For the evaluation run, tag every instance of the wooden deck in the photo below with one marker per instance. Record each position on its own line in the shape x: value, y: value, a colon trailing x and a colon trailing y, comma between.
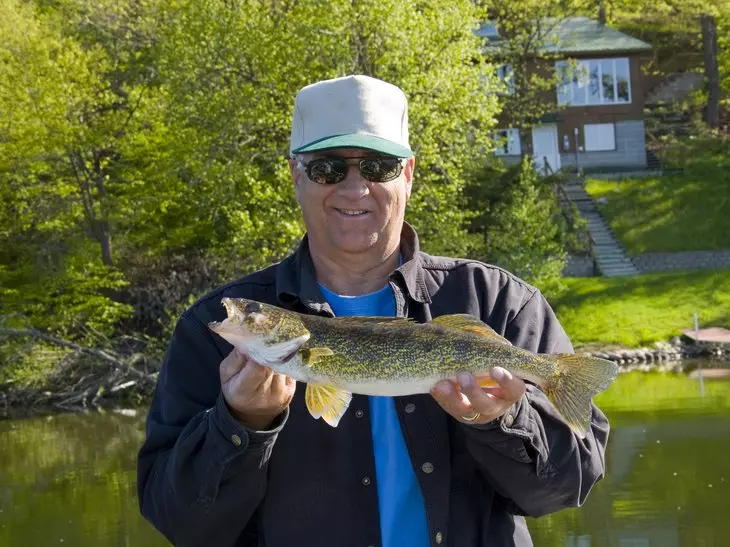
x: 713, y: 335
x: 713, y: 373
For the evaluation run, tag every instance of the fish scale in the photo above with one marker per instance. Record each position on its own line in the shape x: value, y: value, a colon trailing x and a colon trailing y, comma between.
x: 382, y: 352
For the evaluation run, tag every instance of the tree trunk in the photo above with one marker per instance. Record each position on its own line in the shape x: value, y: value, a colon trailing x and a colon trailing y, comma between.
x: 601, y: 13
x: 712, y: 73
x: 105, y: 240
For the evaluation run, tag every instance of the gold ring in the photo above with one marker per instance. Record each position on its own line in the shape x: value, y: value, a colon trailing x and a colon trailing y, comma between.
x: 476, y: 416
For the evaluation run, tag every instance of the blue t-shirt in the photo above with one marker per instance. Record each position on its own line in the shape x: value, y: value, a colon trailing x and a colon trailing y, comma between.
x: 402, y: 510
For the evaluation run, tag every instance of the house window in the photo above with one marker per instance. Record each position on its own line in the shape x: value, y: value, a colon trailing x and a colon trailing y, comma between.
x: 507, y: 78
x: 599, y: 137
x: 594, y: 82
x: 507, y: 142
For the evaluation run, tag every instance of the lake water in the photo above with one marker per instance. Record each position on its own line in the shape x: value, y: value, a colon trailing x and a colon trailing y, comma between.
x: 70, y: 479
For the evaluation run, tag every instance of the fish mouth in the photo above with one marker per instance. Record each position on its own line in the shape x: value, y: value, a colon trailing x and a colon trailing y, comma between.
x: 231, y: 310
x: 233, y: 323
x: 234, y: 333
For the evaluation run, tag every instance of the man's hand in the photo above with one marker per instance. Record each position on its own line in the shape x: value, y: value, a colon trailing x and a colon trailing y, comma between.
x: 471, y: 404
x: 256, y: 395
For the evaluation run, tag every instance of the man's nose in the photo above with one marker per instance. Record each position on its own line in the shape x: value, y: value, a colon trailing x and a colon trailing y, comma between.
x: 354, y: 184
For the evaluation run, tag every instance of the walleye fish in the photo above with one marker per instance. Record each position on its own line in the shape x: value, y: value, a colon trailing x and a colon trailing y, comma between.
x: 394, y: 356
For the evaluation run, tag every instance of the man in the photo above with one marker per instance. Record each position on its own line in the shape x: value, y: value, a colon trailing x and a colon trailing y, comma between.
x: 232, y: 456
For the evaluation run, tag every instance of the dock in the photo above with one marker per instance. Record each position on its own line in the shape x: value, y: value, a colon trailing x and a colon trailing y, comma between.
x: 712, y: 335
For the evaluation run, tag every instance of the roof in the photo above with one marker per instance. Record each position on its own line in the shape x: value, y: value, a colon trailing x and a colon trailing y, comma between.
x: 573, y: 35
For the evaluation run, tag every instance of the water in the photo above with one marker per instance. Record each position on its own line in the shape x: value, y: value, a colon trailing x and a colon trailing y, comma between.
x: 70, y: 479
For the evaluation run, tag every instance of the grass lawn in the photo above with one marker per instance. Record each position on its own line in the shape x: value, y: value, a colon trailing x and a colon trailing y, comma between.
x: 683, y: 212
x: 636, y: 311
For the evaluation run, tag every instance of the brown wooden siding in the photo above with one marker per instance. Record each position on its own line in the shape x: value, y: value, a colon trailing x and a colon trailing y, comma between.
x: 575, y: 117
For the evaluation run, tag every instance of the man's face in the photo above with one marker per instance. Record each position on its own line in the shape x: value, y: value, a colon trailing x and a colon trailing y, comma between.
x: 355, y: 215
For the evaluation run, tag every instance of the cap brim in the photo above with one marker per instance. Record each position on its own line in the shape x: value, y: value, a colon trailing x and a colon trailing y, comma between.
x: 366, y: 142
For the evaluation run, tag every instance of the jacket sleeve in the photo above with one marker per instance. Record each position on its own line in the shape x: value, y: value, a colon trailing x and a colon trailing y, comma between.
x: 201, y: 474
x: 530, y: 456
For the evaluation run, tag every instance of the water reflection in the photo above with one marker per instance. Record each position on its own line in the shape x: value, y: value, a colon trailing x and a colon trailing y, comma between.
x: 70, y: 479
x: 669, y: 474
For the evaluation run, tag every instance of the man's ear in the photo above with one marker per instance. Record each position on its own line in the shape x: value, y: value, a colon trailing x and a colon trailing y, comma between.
x: 295, y: 174
x: 408, y: 170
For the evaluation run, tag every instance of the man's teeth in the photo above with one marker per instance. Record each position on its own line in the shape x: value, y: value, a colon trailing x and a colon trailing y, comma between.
x: 353, y: 211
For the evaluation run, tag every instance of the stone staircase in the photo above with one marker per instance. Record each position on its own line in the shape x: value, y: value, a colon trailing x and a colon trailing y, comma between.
x: 610, y: 257
x: 675, y: 88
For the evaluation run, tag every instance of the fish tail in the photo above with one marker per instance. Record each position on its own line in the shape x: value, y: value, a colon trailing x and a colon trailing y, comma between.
x: 576, y: 380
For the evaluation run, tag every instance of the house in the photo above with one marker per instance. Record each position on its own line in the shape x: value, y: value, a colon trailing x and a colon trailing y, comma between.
x: 598, y: 121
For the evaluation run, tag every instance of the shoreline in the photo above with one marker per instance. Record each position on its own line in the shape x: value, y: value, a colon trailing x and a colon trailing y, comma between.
x: 675, y: 356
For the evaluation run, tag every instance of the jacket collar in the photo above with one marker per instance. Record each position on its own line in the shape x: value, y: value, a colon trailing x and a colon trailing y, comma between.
x: 296, y: 279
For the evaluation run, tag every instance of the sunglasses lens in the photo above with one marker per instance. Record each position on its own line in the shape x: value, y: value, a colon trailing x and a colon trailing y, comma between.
x: 380, y: 169
x: 334, y: 170
x: 327, y: 170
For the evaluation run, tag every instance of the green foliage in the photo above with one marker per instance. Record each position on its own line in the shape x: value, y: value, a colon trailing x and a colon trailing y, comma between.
x: 233, y: 97
x: 143, y: 143
x: 673, y: 29
x: 525, y: 229
x: 641, y: 310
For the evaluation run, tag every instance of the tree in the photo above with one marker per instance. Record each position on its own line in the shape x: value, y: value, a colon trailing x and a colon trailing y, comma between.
x: 699, y: 19
x: 54, y: 171
x: 146, y: 140
x: 523, y: 225
x: 712, y: 73
x: 526, y: 46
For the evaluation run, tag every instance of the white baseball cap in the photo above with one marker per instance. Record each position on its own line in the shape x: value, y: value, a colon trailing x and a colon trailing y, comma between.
x: 351, y: 112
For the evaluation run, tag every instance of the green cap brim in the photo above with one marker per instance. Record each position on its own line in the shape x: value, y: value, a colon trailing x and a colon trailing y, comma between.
x: 366, y: 142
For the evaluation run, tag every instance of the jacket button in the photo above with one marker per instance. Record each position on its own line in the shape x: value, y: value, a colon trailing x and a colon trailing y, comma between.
x: 509, y: 420
x: 359, y: 413
x: 427, y: 467
x: 410, y: 408
x: 236, y: 440
x: 366, y: 481
x: 439, y: 538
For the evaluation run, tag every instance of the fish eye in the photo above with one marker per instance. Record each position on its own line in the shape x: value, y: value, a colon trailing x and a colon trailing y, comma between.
x: 252, y: 307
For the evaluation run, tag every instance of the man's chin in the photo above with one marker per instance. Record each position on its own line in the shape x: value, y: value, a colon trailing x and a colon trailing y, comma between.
x: 356, y: 244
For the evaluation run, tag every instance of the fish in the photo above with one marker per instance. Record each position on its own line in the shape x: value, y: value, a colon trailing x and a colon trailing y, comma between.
x: 397, y: 356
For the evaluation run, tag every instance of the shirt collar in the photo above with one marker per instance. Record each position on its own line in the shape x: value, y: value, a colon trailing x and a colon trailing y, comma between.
x: 296, y: 280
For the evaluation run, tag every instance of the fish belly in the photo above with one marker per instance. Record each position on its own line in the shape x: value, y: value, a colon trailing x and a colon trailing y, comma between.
x: 390, y: 388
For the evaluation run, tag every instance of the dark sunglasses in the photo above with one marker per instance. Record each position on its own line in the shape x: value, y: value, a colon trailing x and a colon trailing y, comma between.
x: 333, y: 170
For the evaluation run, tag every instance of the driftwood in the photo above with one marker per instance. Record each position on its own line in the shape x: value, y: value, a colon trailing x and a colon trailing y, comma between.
x: 79, y: 382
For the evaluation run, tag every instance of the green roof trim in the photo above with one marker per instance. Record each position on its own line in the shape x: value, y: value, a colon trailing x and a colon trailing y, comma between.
x: 573, y: 35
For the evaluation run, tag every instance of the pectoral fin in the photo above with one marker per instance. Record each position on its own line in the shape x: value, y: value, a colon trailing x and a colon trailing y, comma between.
x: 312, y: 355
x: 327, y: 402
x: 463, y: 321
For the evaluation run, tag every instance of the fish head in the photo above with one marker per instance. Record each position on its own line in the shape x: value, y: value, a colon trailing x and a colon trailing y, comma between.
x: 264, y: 332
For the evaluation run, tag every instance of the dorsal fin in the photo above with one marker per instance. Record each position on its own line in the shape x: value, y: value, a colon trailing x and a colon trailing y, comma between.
x: 469, y: 323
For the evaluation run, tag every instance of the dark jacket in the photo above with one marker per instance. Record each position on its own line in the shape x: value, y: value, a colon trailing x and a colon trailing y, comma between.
x: 204, y: 479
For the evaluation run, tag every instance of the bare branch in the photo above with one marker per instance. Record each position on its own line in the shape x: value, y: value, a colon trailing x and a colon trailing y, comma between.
x: 89, y: 351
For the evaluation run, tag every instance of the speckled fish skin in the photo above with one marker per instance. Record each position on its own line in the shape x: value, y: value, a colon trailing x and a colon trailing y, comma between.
x: 395, y: 356
x: 402, y: 353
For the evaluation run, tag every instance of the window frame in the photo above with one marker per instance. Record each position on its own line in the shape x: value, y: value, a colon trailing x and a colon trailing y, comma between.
x: 580, y: 78
x: 586, y: 133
